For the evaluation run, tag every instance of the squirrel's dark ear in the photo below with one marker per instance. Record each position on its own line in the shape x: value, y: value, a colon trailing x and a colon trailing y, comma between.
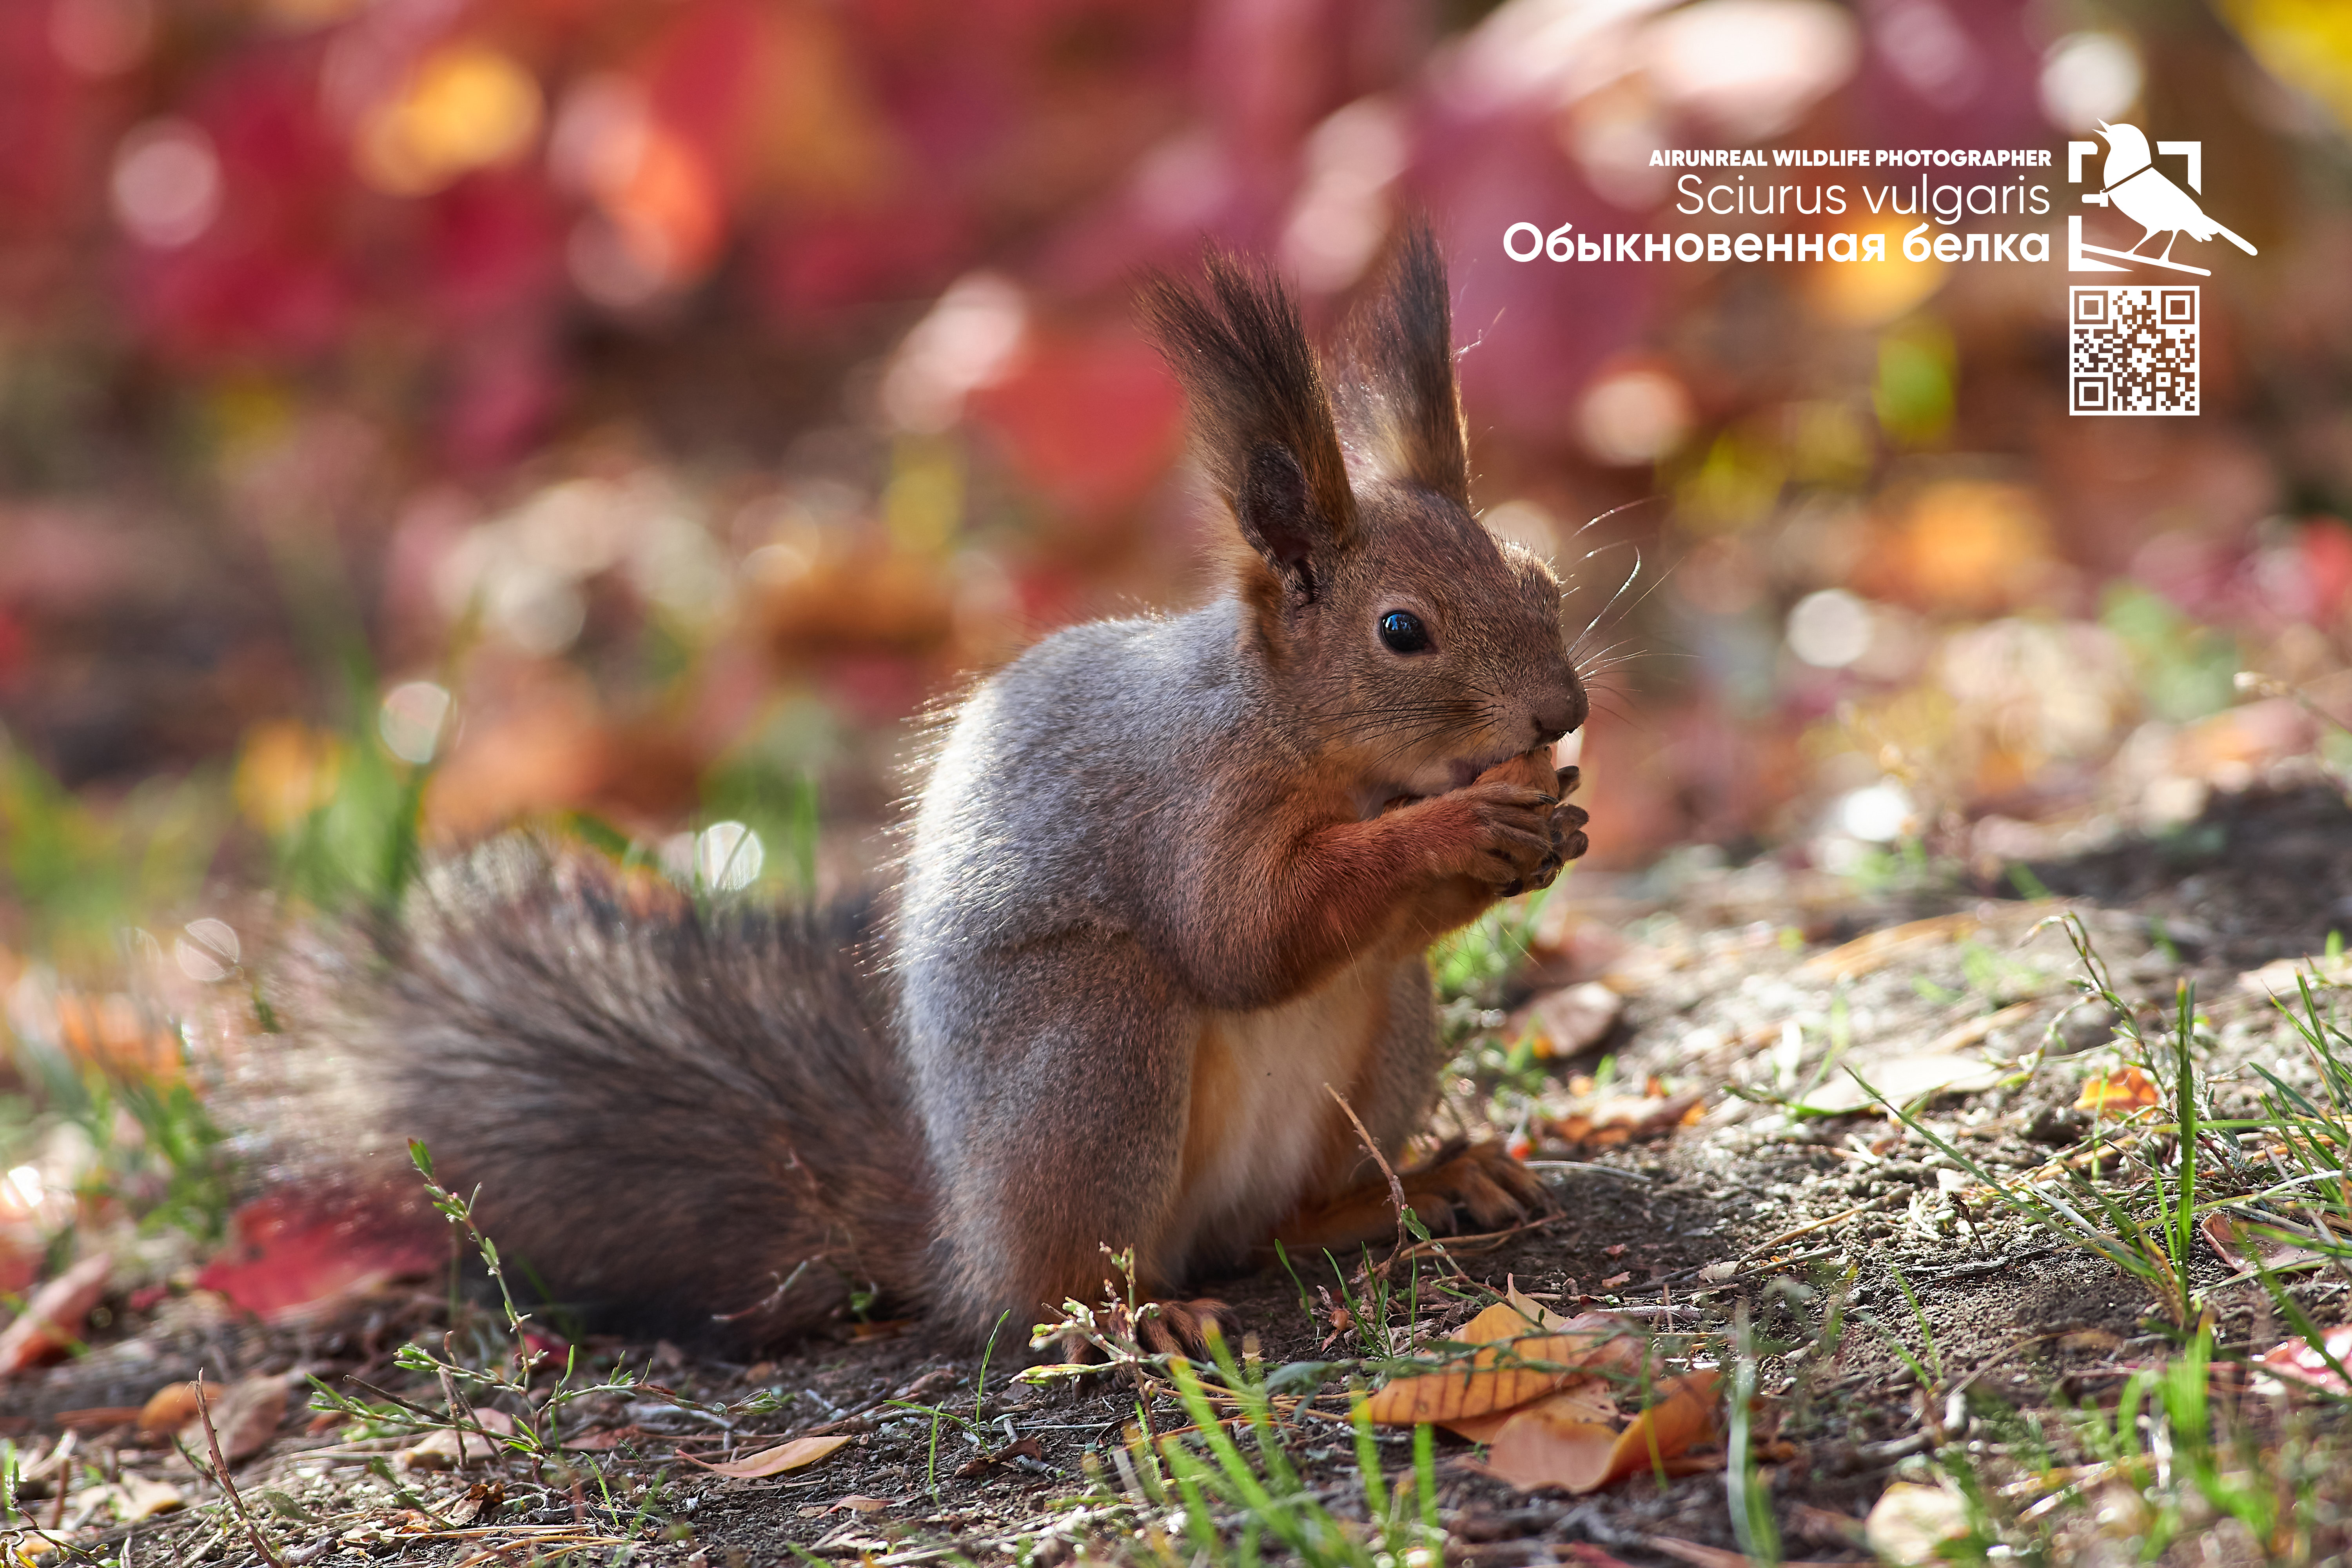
x: 1398, y: 403
x: 1262, y: 418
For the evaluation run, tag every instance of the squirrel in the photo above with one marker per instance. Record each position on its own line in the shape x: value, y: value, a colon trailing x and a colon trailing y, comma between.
x: 1150, y: 973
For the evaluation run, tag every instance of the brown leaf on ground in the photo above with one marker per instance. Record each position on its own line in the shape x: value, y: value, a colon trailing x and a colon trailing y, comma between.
x: 169, y: 1409
x: 858, y: 1503
x: 1605, y: 1120
x: 1485, y: 1385
x: 797, y: 1455
x: 1516, y: 1314
x: 2279, y: 976
x: 2112, y: 1094
x: 246, y: 1414
x: 604, y: 1439
x: 2238, y: 1247
x: 1548, y: 1446
x: 1668, y: 1429
x: 450, y: 1448
x: 1581, y: 1398
x: 1569, y: 1021
x: 1572, y: 1441
x: 481, y: 1501
x: 136, y: 1498
x: 52, y: 1320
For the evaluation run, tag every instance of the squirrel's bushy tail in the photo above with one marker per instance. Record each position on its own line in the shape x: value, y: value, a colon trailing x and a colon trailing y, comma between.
x: 680, y: 1121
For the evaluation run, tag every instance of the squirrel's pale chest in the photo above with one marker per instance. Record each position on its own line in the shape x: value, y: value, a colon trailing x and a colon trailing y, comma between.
x: 1261, y: 1127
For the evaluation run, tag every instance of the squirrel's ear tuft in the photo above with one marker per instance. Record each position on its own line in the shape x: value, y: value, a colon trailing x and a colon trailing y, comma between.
x: 1397, y: 401
x: 1261, y: 416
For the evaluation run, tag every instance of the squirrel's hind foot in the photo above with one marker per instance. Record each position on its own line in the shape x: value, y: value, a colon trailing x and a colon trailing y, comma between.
x: 1160, y: 1326
x: 1182, y: 1328
x: 1463, y: 1188
x: 1478, y: 1183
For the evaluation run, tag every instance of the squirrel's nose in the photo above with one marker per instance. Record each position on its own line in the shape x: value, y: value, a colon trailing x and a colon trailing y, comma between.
x: 1555, y: 717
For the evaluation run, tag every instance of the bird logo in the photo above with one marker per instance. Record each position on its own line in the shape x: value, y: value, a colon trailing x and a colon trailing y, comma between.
x: 2134, y: 186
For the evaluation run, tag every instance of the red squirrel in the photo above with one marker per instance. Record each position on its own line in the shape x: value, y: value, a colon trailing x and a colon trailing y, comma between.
x: 1167, y: 878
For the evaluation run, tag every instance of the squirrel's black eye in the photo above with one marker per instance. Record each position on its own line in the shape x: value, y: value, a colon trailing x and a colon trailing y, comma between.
x: 1403, y: 633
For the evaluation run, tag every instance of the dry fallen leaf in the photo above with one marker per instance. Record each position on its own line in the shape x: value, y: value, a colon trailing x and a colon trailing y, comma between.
x: 1569, y: 1442
x: 1668, y: 1429
x: 858, y: 1503
x: 1909, y: 1523
x: 1569, y: 1022
x: 450, y: 1448
x: 1594, y: 1341
x: 797, y: 1455
x: 481, y: 1499
x: 2299, y: 1360
x: 1553, y: 1445
x: 246, y: 1414
x: 603, y: 1440
x: 1604, y: 1121
x: 171, y: 1408
x: 1516, y: 1315
x: 2111, y: 1094
x: 2279, y: 976
x: 2238, y: 1247
x: 1585, y: 1397
x: 1902, y: 1076
x: 137, y: 1498
x: 52, y: 1320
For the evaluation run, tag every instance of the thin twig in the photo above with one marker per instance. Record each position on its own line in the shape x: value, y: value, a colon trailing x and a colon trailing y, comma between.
x: 461, y: 1414
x: 572, y: 1538
x: 220, y: 1474
x: 1396, y: 1188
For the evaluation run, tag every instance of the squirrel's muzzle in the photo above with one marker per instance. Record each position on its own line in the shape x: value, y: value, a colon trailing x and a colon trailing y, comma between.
x: 1556, y: 716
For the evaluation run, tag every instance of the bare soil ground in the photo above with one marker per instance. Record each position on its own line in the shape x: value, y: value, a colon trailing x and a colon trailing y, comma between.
x: 1963, y: 1330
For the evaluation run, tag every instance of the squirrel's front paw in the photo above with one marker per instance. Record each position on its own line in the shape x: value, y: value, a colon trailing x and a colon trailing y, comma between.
x: 1568, y: 823
x: 1506, y: 821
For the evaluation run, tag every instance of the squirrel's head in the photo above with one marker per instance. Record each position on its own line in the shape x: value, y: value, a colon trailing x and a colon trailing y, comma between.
x: 1415, y: 643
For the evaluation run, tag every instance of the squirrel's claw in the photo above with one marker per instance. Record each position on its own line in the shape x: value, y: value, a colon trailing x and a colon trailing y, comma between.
x: 1567, y: 839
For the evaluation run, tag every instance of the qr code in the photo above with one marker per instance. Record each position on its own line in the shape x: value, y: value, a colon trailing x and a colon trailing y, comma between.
x: 2132, y: 350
